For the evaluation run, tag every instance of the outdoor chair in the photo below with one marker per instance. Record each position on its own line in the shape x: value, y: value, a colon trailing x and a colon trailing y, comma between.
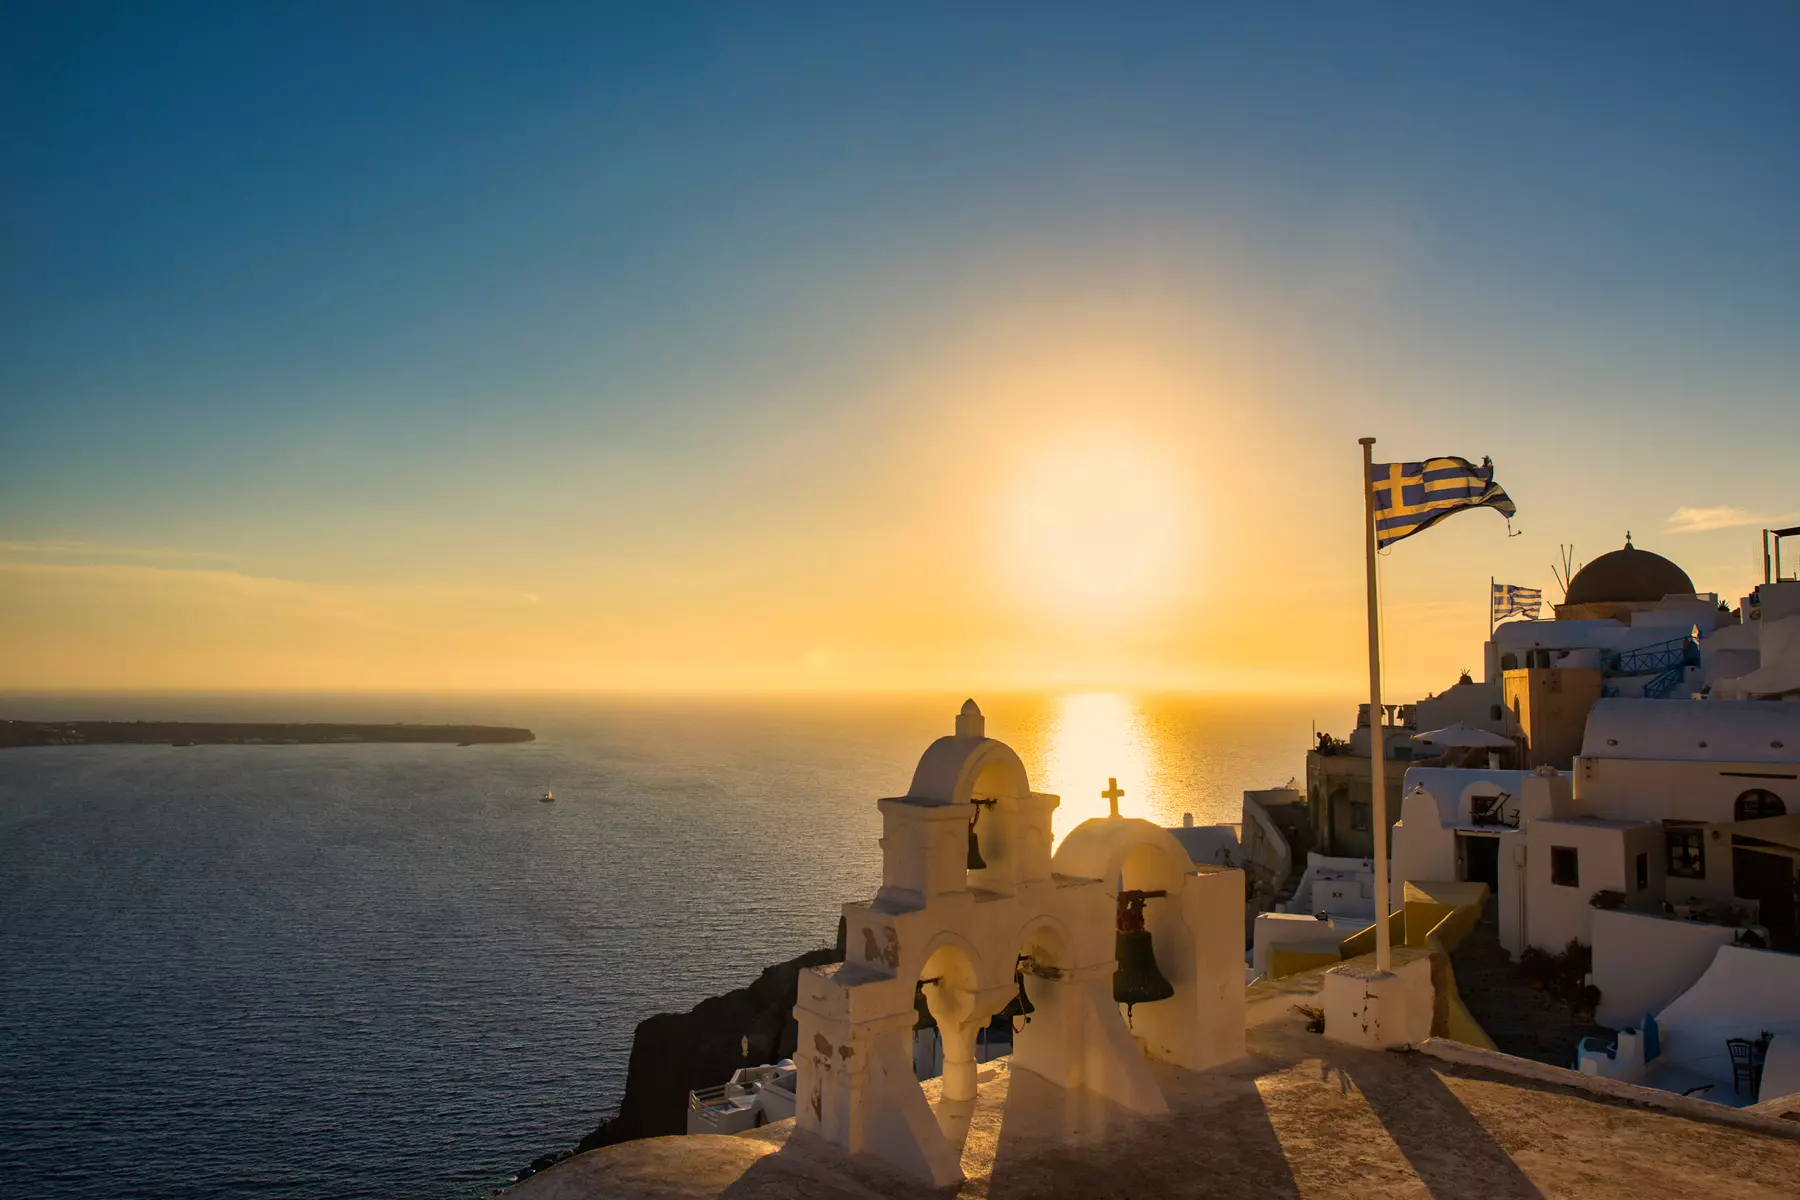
x: 1742, y: 1064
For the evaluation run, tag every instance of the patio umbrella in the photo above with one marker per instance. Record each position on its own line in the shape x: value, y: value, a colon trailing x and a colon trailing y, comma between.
x: 1461, y: 735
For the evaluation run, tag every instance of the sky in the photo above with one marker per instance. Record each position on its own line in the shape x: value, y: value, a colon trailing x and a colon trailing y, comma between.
x: 858, y: 347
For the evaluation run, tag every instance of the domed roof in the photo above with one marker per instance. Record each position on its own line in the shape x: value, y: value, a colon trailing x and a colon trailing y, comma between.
x: 1627, y: 575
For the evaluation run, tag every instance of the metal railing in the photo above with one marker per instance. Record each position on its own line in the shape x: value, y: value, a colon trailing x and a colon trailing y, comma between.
x: 1659, y: 657
x: 701, y: 1098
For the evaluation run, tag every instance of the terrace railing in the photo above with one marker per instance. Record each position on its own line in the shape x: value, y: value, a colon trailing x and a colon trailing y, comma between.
x: 1659, y: 658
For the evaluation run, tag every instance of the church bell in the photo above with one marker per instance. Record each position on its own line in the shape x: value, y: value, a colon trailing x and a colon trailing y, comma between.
x: 922, y: 1008
x: 1020, y: 1005
x: 976, y: 862
x: 1138, y: 979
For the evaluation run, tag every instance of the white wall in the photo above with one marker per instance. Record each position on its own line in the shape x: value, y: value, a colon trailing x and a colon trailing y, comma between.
x: 1780, y: 599
x: 1642, y: 962
x: 1647, y: 789
x: 1700, y: 731
x: 1210, y: 845
x: 1346, y: 883
x: 1680, y: 615
x: 1511, y: 896
x: 1555, y: 913
x: 1470, y: 703
x: 1422, y: 848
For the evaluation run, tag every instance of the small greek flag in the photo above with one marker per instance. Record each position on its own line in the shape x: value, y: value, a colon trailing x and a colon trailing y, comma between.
x: 1410, y: 497
x: 1511, y: 600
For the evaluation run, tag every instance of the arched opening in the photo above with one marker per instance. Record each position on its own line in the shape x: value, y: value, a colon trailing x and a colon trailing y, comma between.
x: 1509, y: 662
x: 1001, y: 849
x: 1756, y: 804
x: 944, y: 999
x: 1041, y: 1020
x: 992, y: 849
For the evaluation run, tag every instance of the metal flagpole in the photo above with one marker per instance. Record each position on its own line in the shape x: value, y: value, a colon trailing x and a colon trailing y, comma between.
x: 1384, y: 954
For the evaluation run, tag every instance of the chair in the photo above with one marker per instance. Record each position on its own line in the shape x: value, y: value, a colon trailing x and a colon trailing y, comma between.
x: 1742, y: 1065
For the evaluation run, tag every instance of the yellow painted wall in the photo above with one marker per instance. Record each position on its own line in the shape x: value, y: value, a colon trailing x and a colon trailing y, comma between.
x: 1552, y: 705
x: 1292, y: 962
x: 1428, y: 905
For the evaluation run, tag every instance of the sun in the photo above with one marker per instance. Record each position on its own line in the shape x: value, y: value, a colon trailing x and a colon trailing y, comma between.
x: 1097, y: 528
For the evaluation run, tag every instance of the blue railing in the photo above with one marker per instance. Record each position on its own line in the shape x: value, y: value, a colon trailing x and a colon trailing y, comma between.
x: 1660, y: 657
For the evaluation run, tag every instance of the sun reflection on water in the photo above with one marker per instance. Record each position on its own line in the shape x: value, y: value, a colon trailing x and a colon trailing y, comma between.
x: 1095, y: 736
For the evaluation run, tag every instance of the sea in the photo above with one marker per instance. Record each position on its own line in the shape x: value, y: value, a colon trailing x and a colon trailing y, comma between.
x: 392, y: 971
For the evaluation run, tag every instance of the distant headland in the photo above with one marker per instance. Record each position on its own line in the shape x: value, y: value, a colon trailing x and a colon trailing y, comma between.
x: 214, y: 733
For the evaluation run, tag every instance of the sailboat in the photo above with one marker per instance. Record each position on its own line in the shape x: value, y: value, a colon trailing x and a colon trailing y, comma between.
x: 547, y: 798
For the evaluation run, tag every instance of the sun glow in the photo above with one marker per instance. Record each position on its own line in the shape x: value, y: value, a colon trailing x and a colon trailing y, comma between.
x: 1096, y: 736
x: 1097, y: 529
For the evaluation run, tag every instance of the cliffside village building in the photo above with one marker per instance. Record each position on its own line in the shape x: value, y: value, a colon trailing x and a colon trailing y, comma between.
x: 1631, y: 626
x: 1639, y: 796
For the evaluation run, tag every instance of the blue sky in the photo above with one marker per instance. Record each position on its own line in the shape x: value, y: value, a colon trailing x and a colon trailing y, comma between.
x: 546, y: 297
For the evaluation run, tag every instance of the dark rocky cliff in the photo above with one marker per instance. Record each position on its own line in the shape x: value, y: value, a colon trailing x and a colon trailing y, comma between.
x: 674, y: 1053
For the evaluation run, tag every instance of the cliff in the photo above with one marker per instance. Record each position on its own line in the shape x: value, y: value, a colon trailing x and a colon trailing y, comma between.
x: 674, y: 1053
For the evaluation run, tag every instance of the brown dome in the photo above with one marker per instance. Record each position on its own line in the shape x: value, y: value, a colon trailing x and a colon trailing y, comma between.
x: 1628, y: 575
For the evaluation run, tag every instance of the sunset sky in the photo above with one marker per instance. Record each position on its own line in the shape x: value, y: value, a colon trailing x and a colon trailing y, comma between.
x: 821, y: 346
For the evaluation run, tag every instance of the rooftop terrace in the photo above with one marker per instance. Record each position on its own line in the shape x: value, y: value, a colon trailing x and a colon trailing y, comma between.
x: 1302, y: 1116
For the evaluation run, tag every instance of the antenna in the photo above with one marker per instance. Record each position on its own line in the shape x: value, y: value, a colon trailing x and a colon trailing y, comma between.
x: 1554, y: 570
x: 1567, y: 573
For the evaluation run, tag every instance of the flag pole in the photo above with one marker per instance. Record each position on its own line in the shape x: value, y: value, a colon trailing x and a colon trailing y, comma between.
x: 1490, y: 604
x: 1384, y: 954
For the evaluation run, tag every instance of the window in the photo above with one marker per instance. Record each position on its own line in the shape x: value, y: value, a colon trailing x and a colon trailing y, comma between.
x: 1757, y: 803
x: 1643, y: 871
x: 1687, y: 853
x: 1359, y: 817
x: 1494, y: 712
x: 1509, y: 662
x: 1565, y: 866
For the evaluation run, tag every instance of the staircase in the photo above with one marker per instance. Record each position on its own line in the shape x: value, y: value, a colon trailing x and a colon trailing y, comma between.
x: 1665, y: 683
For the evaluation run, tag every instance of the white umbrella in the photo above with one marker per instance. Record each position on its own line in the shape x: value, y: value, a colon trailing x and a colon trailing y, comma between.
x: 1461, y: 735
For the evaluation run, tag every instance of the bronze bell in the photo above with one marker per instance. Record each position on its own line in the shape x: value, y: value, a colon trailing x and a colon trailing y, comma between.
x: 976, y: 862
x: 1020, y: 1005
x: 1138, y: 979
x: 923, y: 1008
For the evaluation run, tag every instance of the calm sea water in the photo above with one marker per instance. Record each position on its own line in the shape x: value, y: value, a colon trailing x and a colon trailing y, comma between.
x: 389, y: 971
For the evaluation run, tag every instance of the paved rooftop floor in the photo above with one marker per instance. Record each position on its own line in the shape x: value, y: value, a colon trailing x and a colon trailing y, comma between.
x: 1301, y: 1117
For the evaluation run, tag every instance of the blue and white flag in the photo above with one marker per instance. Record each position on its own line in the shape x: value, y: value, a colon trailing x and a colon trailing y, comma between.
x: 1511, y: 600
x: 1410, y: 497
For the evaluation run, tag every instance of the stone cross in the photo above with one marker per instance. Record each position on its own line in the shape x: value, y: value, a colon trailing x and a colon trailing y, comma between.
x: 1112, y: 793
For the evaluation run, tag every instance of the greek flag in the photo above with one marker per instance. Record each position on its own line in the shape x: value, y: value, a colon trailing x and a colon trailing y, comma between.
x: 1511, y: 600
x: 1414, y: 496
